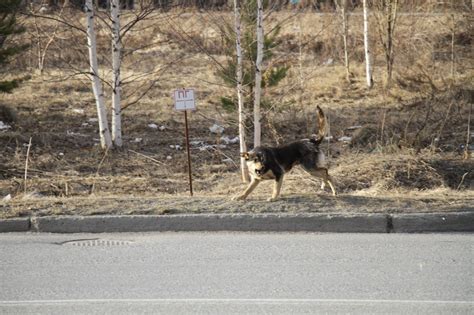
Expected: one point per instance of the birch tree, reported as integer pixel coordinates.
(240, 98)
(258, 77)
(105, 138)
(368, 70)
(116, 82)
(341, 6)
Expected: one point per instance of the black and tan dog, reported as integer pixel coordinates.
(271, 163)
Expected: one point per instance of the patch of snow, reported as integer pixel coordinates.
(74, 134)
(4, 126)
(228, 140)
(153, 126)
(169, 157)
(162, 128)
(93, 120)
(345, 139)
(354, 127)
(7, 198)
(44, 9)
(216, 129)
(137, 140)
(328, 62)
(208, 147)
(205, 147)
(176, 146)
(196, 142)
(78, 110)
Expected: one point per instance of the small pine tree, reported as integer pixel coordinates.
(9, 27)
(273, 72)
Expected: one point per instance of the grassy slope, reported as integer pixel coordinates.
(391, 164)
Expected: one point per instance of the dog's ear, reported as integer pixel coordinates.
(245, 155)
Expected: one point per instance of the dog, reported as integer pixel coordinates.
(272, 163)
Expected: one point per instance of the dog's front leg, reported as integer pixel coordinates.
(253, 183)
(276, 188)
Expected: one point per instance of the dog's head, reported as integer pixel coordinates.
(255, 161)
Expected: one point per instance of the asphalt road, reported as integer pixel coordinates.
(236, 273)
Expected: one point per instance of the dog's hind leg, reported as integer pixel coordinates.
(323, 174)
(276, 189)
(248, 190)
(328, 180)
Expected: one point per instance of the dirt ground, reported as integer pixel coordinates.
(396, 150)
(443, 201)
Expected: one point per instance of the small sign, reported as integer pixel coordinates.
(184, 99)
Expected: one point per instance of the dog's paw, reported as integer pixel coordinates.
(238, 197)
(272, 199)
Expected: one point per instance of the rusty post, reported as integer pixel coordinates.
(189, 154)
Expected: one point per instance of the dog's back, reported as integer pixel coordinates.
(299, 152)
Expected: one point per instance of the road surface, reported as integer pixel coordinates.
(236, 273)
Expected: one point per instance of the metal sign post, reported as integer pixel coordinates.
(184, 100)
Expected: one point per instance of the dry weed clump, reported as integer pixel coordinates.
(385, 172)
(7, 114)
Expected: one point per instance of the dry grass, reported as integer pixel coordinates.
(405, 156)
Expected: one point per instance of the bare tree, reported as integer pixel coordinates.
(71, 23)
(116, 82)
(387, 17)
(453, 30)
(341, 6)
(105, 138)
(368, 69)
(240, 97)
(258, 77)
(42, 48)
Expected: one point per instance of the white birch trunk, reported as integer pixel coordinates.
(345, 26)
(105, 138)
(368, 69)
(240, 98)
(258, 76)
(117, 84)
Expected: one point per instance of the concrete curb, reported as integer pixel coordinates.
(308, 222)
(435, 222)
(15, 225)
(214, 222)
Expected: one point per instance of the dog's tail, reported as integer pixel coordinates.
(322, 122)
